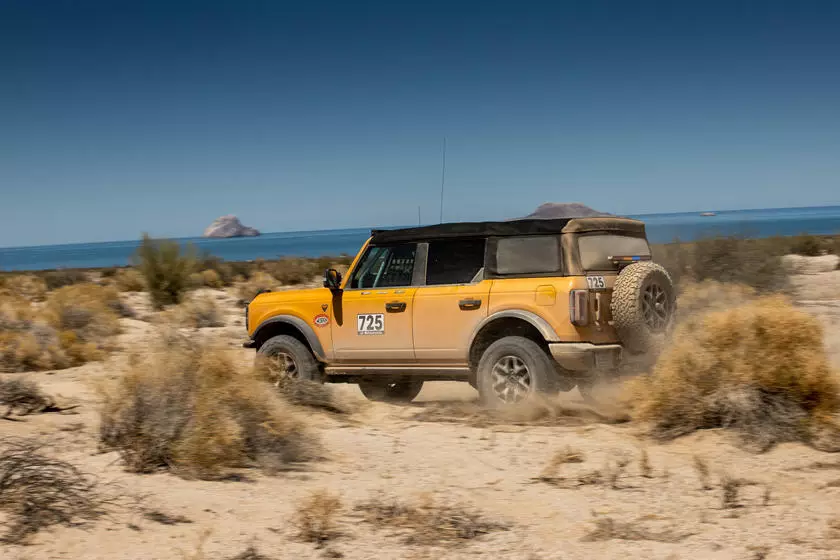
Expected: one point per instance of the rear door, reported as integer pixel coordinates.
(374, 320)
(453, 301)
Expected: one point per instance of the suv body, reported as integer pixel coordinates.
(428, 303)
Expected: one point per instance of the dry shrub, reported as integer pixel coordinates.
(250, 553)
(759, 368)
(129, 280)
(207, 279)
(315, 517)
(27, 286)
(164, 518)
(186, 405)
(607, 528)
(196, 312)
(165, 269)
(38, 491)
(23, 397)
(73, 327)
(427, 523)
(753, 262)
(808, 245)
(259, 282)
(56, 279)
(538, 411)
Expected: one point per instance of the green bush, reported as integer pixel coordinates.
(166, 270)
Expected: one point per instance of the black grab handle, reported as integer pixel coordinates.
(469, 304)
(395, 307)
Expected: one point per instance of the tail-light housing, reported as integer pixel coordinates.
(579, 307)
(247, 306)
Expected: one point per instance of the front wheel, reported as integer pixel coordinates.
(514, 369)
(403, 391)
(285, 357)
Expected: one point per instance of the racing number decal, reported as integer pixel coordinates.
(370, 323)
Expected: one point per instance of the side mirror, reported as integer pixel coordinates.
(332, 279)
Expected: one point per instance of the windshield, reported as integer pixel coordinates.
(596, 250)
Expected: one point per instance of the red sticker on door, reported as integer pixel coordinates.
(321, 320)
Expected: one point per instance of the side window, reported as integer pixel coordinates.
(528, 255)
(454, 261)
(385, 267)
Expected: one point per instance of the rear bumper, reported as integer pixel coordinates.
(584, 356)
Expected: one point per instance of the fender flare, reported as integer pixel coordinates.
(530, 317)
(301, 325)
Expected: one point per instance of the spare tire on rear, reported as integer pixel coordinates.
(643, 306)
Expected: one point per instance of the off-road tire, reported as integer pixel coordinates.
(307, 365)
(403, 391)
(541, 369)
(641, 333)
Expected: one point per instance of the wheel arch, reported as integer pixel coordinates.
(514, 322)
(291, 326)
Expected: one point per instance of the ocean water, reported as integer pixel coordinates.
(661, 228)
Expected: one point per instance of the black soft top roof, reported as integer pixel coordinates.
(535, 226)
(469, 229)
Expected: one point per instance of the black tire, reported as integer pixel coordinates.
(403, 391)
(501, 382)
(306, 366)
(643, 306)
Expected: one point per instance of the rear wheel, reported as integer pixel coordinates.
(514, 369)
(402, 391)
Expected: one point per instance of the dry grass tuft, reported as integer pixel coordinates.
(250, 553)
(37, 491)
(427, 523)
(259, 282)
(729, 489)
(608, 529)
(702, 470)
(129, 280)
(165, 519)
(543, 411)
(195, 312)
(72, 327)
(186, 405)
(561, 457)
(56, 279)
(760, 369)
(26, 286)
(315, 517)
(23, 397)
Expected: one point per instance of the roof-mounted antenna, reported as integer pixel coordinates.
(442, 179)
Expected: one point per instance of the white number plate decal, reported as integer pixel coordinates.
(370, 323)
(596, 282)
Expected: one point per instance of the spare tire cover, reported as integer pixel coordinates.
(643, 306)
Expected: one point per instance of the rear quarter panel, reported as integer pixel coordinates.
(549, 298)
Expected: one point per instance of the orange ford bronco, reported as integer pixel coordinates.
(514, 308)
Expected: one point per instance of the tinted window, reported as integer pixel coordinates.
(385, 267)
(454, 261)
(528, 255)
(596, 250)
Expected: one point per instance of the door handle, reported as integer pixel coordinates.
(469, 304)
(395, 307)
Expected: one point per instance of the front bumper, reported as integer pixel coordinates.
(585, 356)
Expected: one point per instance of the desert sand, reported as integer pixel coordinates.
(787, 506)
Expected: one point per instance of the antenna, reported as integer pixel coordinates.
(442, 179)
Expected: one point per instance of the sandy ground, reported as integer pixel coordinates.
(786, 511)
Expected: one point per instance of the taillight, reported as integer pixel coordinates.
(246, 317)
(579, 307)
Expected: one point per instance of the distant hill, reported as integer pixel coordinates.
(551, 210)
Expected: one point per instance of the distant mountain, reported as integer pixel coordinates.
(229, 226)
(551, 210)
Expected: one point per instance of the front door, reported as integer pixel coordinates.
(374, 320)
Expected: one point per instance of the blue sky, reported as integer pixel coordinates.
(119, 117)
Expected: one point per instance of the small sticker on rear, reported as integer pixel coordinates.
(596, 282)
(321, 320)
(370, 323)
